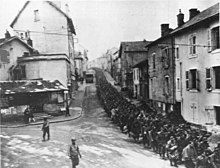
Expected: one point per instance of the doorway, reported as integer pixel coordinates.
(217, 112)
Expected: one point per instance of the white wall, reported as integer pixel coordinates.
(15, 49)
(51, 21)
(48, 70)
(197, 106)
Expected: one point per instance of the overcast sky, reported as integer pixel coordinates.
(101, 25)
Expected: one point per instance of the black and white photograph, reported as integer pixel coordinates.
(110, 84)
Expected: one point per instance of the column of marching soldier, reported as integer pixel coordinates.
(172, 138)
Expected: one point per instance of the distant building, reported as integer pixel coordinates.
(131, 53)
(141, 80)
(111, 55)
(117, 69)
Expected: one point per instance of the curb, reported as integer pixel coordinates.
(40, 123)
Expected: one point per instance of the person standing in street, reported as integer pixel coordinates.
(189, 155)
(74, 153)
(67, 110)
(26, 115)
(46, 129)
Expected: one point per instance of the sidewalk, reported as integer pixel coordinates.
(111, 80)
(75, 109)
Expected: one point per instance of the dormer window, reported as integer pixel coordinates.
(36, 15)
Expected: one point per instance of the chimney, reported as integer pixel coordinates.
(7, 34)
(180, 19)
(193, 12)
(164, 29)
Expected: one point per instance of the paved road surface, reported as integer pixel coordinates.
(101, 143)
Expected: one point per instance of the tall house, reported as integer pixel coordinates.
(45, 26)
(44, 22)
(161, 72)
(197, 62)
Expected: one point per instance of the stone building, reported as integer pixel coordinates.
(162, 71)
(131, 53)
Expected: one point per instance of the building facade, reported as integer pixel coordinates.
(141, 80)
(11, 48)
(197, 60)
(46, 66)
(49, 34)
(161, 73)
(130, 54)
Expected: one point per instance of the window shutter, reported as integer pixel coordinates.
(190, 45)
(208, 79)
(212, 73)
(190, 80)
(187, 80)
(209, 40)
(197, 80)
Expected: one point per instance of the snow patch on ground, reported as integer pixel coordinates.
(76, 108)
(23, 136)
(4, 136)
(94, 150)
(33, 149)
(14, 142)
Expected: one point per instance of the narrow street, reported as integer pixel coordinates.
(101, 143)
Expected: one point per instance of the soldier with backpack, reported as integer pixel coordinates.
(74, 153)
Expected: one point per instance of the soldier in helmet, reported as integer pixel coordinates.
(74, 153)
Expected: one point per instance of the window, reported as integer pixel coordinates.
(208, 79)
(177, 53)
(192, 43)
(165, 57)
(154, 60)
(178, 83)
(167, 83)
(192, 79)
(36, 15)
(215, 38)
(187, 80)
(216, 74)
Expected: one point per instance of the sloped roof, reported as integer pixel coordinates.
(69, 20)
(30, 86)
(135, 45)
(202, 16)
(4, 41)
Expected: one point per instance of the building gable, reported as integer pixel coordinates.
(68, 19)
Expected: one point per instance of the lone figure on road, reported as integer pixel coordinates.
(74, 153)
(46, 129)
